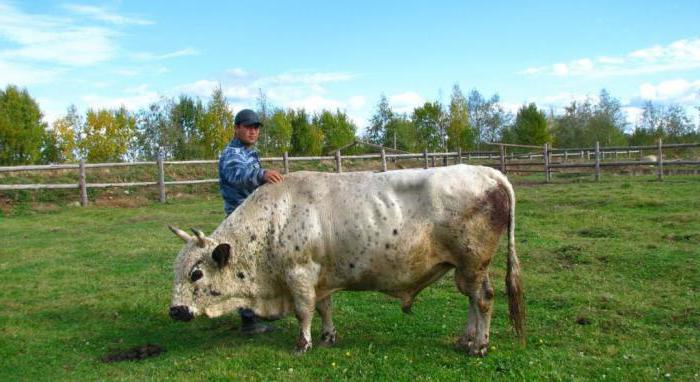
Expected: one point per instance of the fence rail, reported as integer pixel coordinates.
(505, 163)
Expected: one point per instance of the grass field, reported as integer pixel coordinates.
(611, 272)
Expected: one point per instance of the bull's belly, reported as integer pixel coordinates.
(396, 280)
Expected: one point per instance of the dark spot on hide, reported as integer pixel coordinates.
(253, 237)
(352, 265)
(387, 246)
(196, 275)
(296, 248)
(240, 275)
(215, 293)
(499, 204)
(396, 231)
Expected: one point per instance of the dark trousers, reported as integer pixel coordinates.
(247, 317)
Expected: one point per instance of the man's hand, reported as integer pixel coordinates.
(272, 176)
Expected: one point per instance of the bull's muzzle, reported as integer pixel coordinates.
(181, 313)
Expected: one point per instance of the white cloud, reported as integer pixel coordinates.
(309, 79)
(315, 104)
(677, 56)
(356, 102)
(237, 72)
(148, 56)
(24, 74)
(678, 91)
(405, 102)
(53, 40)
(102, 14)
(201, 88)
(134, 99)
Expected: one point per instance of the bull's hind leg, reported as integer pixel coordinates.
(477, 287)
(324, 309)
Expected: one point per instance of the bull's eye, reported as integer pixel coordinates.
(196, 275)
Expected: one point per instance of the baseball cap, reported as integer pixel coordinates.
(247, 117)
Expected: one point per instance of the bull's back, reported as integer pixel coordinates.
(383, 231)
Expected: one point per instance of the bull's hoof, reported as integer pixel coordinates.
(471, 347)
(302, 346)
(328, 338)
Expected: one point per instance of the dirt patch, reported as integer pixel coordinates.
(597, 232)
(581, 320)
(138, 219)
(570, 255)
(134, 354)
(130, 201)
(690, 238)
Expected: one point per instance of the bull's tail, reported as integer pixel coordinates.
(514, 287)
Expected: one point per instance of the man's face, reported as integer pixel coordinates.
(247, 134)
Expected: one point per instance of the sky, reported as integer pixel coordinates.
(345, 55)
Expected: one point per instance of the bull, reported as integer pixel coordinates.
(290, 246)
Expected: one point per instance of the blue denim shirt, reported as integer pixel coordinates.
(239, 174)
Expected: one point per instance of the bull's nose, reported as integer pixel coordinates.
(181, 313)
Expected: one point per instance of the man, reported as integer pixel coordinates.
(239, 175)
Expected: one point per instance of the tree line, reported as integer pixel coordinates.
(184, 127)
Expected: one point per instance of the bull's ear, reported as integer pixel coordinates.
(221, 254)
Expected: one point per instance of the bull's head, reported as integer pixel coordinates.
(204, 283)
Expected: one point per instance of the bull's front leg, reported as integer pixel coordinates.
(301, 282)
(324, 308)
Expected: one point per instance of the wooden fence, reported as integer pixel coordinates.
(428, 159)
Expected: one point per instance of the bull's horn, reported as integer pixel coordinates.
(180, 233)
(201, 239)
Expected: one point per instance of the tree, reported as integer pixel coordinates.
(68, 130)
(608, 123)
(21, 127)
(279, 132)
(487, 117)
(427, 120)
(307, 139)
(337, 129)
(376, 132)
(405, 132)
(154, 134)
(107, 134)
(459, 131)
(186, 118)
(217, 129)
(530, 126)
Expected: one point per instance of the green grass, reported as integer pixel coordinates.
(611, 271)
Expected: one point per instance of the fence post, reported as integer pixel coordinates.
(459, 156)
(502, 152)
(161, 177)
(425, 158)
(338, 162)
(444, 160)
(432, 160)
(82, 184)
(545, 155)
(566, 156)
(285, 157)
(597, 161)
(660, 161)
(469, 156)
(383, 160)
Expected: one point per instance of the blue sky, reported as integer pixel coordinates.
(326, 54)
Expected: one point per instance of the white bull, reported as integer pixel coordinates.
(291, 245)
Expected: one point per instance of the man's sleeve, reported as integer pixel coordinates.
(237, 170)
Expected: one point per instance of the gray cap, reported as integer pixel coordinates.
(247, 117)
